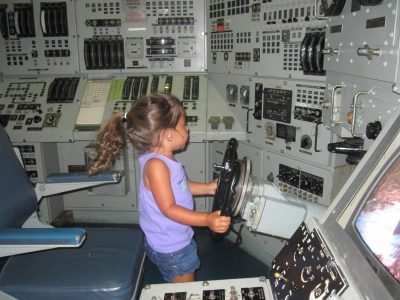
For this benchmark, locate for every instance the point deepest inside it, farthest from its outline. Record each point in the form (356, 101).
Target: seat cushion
(107, 266)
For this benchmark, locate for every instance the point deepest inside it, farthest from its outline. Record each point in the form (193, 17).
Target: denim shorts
(177, 263)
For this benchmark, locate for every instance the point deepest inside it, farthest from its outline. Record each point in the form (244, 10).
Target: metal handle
(248, 120)
(330, 51)
(354, 105)
(220, 168)
(316, 15)
(369, 52)
(335, 87)
(316, 137)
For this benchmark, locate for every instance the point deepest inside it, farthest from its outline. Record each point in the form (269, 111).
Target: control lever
(352, 147)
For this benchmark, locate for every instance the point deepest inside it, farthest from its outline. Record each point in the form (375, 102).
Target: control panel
(361, 59)
(362, 43)
(306, 269)
(60, 109)
(266, 38)
(257, 288)
(305, 181)
(357, 107)
(38, 37)
(228, 106)
(296, 180)
(118, 36)
(286, 117)
(40, 109)
(141, 36)
(191, 89)
(31, 159)
(119, 93)
(36, 158)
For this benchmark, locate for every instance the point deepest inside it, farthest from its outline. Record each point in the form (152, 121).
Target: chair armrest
(17, 241)
(58, 183)
(78, 177)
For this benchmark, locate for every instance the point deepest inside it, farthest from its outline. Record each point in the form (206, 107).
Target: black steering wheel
(234, 183)
(229, 173)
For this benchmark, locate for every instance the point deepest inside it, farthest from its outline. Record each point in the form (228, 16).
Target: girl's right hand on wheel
(218, 223)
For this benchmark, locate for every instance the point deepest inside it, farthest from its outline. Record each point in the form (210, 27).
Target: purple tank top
(163, 234)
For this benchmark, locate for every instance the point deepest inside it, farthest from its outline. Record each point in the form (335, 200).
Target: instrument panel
(306, 269)
(85, 37)
(40, 109)
(248, 289)
(38, 37)
(266, 38)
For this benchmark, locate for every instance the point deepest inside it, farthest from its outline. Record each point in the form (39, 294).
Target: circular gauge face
(332, 7)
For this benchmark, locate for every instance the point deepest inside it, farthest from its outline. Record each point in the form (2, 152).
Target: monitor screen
(377, 222)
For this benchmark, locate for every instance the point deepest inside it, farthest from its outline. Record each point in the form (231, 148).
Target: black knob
(373, 129)
(306, 142)
(37, 119)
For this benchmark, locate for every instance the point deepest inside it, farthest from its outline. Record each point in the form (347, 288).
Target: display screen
(378, 222)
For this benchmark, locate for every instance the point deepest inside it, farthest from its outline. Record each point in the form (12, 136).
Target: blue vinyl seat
(60, 263)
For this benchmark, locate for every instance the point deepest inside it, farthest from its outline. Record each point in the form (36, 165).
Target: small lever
(368, 52)
(330, 51)
(222, 168)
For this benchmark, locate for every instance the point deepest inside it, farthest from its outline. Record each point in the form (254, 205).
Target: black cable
(239, 238)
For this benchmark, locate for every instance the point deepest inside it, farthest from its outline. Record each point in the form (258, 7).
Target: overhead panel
(364, 41)
(141, 36)
(38, 37)
(265, 38)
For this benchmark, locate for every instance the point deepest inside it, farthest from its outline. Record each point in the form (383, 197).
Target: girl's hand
(218, 223)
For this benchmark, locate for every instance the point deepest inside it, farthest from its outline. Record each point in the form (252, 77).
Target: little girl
(156, 126)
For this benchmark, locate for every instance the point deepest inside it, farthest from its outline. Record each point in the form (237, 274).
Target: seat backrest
(17, 196)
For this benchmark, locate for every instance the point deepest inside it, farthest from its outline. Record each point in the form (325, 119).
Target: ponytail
(110, 142)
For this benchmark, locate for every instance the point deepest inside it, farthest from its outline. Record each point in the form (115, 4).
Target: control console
(304, 269)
